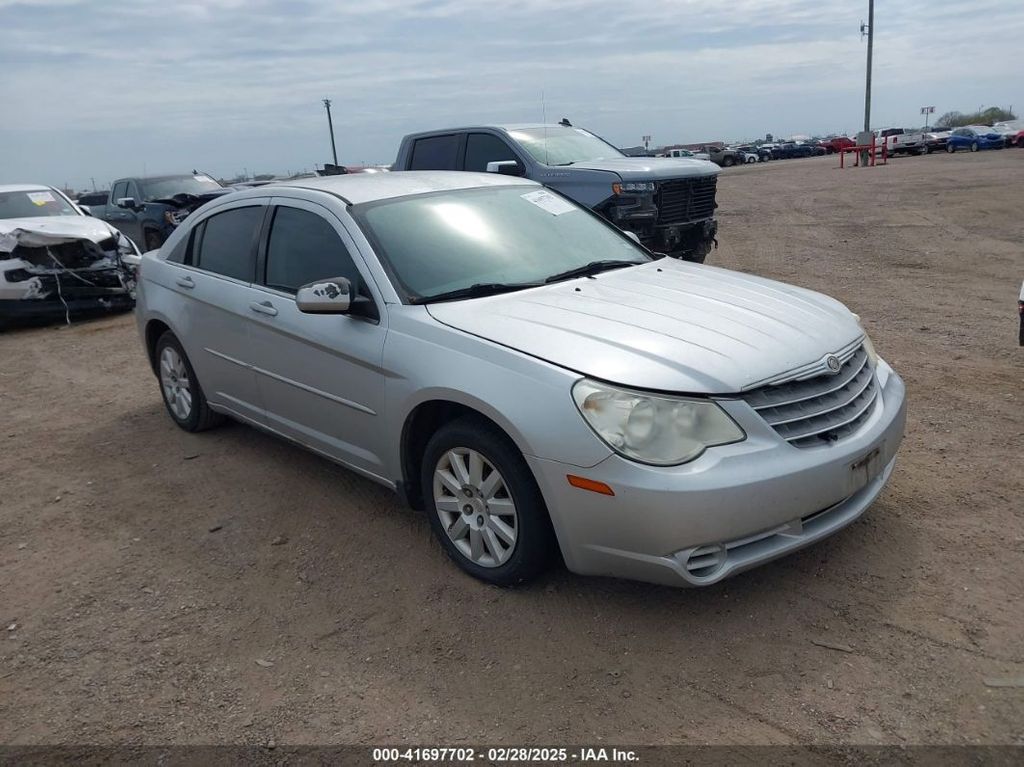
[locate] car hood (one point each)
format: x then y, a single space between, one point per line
651 168
667 326
51 230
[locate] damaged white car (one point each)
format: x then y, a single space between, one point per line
58 262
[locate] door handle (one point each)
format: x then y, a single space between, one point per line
185 282
264 307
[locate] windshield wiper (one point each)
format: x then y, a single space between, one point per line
588 270
478 290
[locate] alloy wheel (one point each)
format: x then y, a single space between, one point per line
175 383
475 507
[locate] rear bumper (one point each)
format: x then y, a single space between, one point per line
735 507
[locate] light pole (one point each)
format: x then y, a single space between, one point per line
870 30
330 127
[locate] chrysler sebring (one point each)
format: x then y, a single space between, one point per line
526 373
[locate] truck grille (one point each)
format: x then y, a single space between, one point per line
686 199
821 409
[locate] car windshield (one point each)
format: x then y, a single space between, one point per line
515 235
34 203
168 186
563 146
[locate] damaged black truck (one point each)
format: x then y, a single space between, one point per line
669 204
148 209
58 263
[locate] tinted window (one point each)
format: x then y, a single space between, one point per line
227 243
482 148
93 198
120 190
434 153
304 248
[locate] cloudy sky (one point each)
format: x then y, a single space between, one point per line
103 89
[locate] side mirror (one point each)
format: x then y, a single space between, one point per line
127 202
332 296
506 168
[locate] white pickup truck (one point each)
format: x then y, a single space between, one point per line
901 141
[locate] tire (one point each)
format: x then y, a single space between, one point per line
152 239
974 146
182 395
928 150
728 162
506 547
950 148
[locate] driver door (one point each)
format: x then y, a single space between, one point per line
319 375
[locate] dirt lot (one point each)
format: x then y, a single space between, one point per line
125 619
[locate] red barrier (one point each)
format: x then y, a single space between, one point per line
871 149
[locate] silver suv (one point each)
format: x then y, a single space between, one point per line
526 372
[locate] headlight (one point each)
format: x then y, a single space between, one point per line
126 247
634 187
652 428
869 348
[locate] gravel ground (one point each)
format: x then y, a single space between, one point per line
161 587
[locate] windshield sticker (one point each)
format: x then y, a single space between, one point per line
41 198
553 204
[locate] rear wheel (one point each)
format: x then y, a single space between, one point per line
974 146
179 387
484 505
727 162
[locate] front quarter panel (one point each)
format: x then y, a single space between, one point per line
531 400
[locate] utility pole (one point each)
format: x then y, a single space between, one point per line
330 127
870 31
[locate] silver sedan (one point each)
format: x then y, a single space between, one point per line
529 375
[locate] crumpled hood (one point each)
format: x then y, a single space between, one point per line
51 230
667 325
651 168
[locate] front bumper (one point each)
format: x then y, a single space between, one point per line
735 507
29 309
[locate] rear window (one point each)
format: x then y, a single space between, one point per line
435 153
227 243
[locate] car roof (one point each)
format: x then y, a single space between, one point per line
25 188
356 188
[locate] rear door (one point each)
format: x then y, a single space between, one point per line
319 376
214 281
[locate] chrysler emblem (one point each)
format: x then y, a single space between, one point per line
832 362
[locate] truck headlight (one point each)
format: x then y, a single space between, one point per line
633 187
651 428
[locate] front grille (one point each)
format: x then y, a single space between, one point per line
821 409
686 199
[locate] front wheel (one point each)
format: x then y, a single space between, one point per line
950 148
153 240
484 505
182 395
728 162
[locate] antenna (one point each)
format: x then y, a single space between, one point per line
544 115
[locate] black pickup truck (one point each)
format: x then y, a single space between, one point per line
148 209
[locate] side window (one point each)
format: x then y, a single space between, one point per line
226 245
303 248
435 153
120 190
482 148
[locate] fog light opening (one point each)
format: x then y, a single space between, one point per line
705 561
